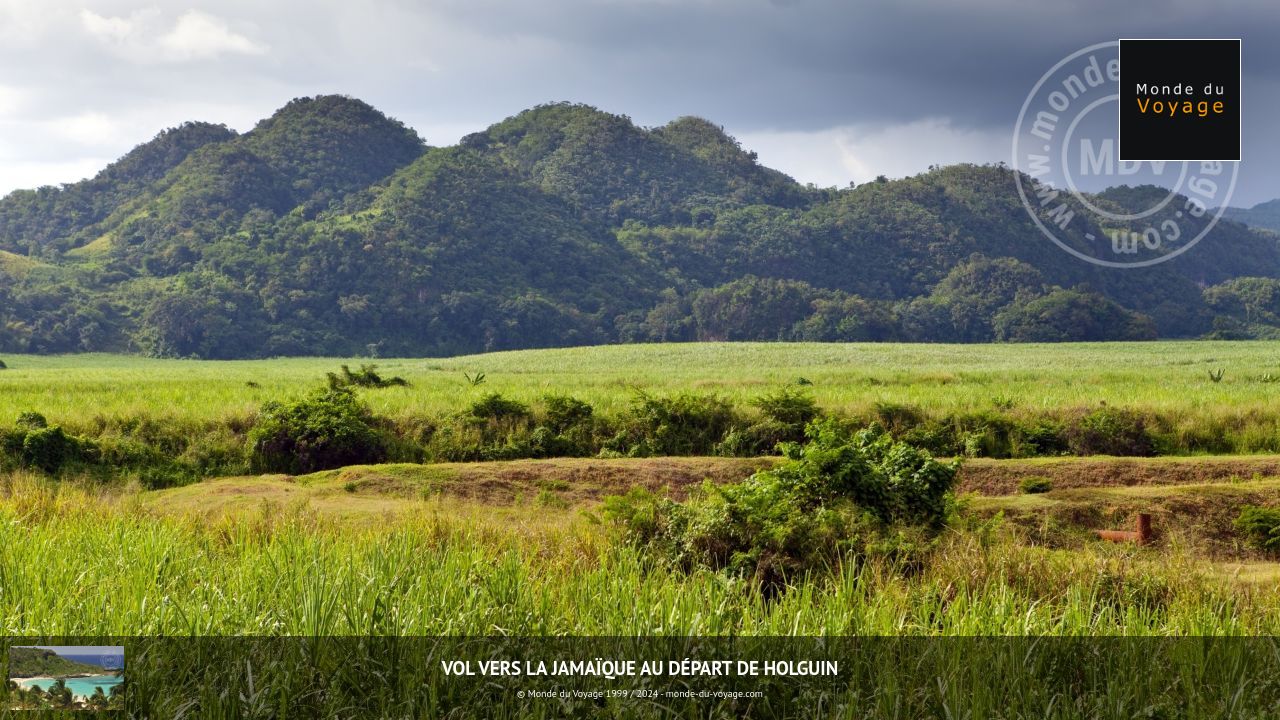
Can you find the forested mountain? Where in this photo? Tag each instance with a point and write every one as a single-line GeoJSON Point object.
{"type": "Point", "coordinates": [1263, 215]}
{"type": "Point", "coordinates": [331, 229]}
{"type": "Point", "coordinates": [28, 662]}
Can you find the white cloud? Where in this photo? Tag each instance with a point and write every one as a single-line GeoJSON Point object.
{"type": "Point", "coordinates": [90, 128]}
{"type": "Point", "coordinates": [112, 29]}
{"type": "Point", "coordinates": [142, 36]}
{"type": "Point", "coordinates": [859, 153]}
{"type": "Point", "coordinates": [14, 175]}
{"type": "Point", "coordinates": [199, 36]}
{"type": "Point", "coordinates": [25, 25]}
{"type": "Point", "coordinates": [12, 100]}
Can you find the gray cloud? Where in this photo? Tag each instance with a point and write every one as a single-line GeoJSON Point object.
{"type": "Point", "coordinates": [833, 80]}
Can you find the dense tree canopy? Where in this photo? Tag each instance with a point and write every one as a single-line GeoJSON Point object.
{"type": "Point", "coordinates": [332, 229]}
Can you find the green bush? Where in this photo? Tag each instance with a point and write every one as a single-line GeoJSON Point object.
{"type": "Point", "coordinates": [1042, 436]}
{"type": "Point", "coordinates": [11, 446]}
{"type": "Point", "coordinates": [840, 492]}
{"type": "Point", "coordinates": [1035, 484]}
{"type": "Point", "coordinates": [565, 413]}
{"type": "Point", "coordinates": [898, 417]}
{"type": "Point", "coordinates": [50, 448]}
{"type": "Point", "coordinates": [366, 377]}
{"type": "Point", "coordinates": [495, 407]}
{"type": "Point", "coordinates": [761, 438]}
{"type": "Point", "coordinates": [327, 429]}
{"type": "Point", "coordinates": [1109, 431]}
{"type": "Point", "coordinates": [789, 407]}
{"type": "Point", "coordinates": [684, 424]}
{"type": "Point", "coordinates": [32, 420]}
{"type": "Point", "coordinates": [34, 443]}
{"type": "Point", "coordinates": [785, 415]}
{"type": "Point", "coordinates": [1260, 527]}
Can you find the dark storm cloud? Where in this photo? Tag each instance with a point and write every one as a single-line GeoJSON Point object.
{"type": "Point", "coordinates": [810, 65]}
{"type": "Point", "coordinates": [83, 81]}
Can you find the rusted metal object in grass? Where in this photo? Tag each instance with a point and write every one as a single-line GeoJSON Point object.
{"type": "Point", "coordinates": [1141, 535]}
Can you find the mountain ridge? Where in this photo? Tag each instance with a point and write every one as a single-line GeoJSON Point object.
{"type": "Point", "coordinates": [330, 228]}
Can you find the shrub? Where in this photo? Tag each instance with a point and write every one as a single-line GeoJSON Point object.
{"type": "Point", "coordinates": [684, 424]}
{"type": "Point", "coordinates": [49, 448]}
{"type": "Point", "coordinates": [760, 438]}
{"type": "Point", "coordinates": [1043, 436]}
{"type": "Point", "coordinates": [984, 434]}
{"type": "Point", "coordinates": [1109, 431]}
{"type": "Point", "coordinates": [366, 376]}
{"type": "Point", "coordinates": [328, 429]}
{"type": "Point", "coordinates": [788, 406]}
{"type": "Point", "coordinates": [837, 493]}
{"type": "Point", "coordinates": [898, 417]}
{"type": "Point", "coordinates": [3, 366]}
{"type": "Point", "coordinates": [544, 442]}
{"type": "Point", "coordinates": [11, 446]}
{"type": "Point", "coordinates": [1260, 527]}
{"type": "Point", "coordinates": [32, 420]}
{"type": "Point", "coordinates": [565, 413]}
{"type": "Point", "coordinates": [495, 407]}
{"type": "Point", "coordinates": [1035, 484]}
{"type": "Point", "coordinates": [785, 415]}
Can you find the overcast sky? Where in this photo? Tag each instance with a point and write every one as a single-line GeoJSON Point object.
{"type": "Point", "coordinates": [828, 91]}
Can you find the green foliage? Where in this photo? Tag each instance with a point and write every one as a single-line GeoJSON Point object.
{"type": "Point", "coordinates": [324, 430]}
{"type": "Point", "coordinates": [26, 662]}
{"type": "Point", "coordinates": [840, 492]}
{"type": "Point", "coordinates": [549, 499]}
{"type": "Point", "coordinates": [565, 413]}
{"type": "Point", "coordinates": [1263, 215]}
{"type": "Point", "coordinates": [495, 407]}
{"type": "Point", "coordinates": [1109, 431]}
{"type": "Point", "coordinates": [329, 229]}
{"type": "Point", "coordinates": [36, 444]}
{"type": "Point", "coordinates": [168, 422]}
{"type": "Point", "coordinates": [48, 448]}
{"type": "Point", "coordinates": [683, 424]}
{"type": "Point", "coordinates": [784, 415]}
{"type": "Point", "coordinates": [1035, 484]}
{"type": "Point", "coordinates": [31, 420]}
{"type": "Point", "coordinates": [31, 220]}
{"type": "Point", "coordinates": [1261, 527]}
{"type": "Point", "coordinates": [1071, 316]}
{"type": "Point", "coordinates": [788, 406]}
{"type": "Point", "coordinates": [366, 377]}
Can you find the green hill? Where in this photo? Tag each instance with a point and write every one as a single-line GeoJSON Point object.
{"type": "Point", "coordinates": [332, 229]}
{"type": "Point", "coordinates": [32, 220]}
{"type": "Point", "coordinates": [1263, 215]}
{"type": "Point", "coordinates": [25, 662]}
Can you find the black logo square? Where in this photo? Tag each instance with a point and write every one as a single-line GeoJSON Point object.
{"type": "Point", "coordinates": [1179, 100]}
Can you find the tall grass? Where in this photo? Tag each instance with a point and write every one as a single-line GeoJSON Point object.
{"type": "Point", "coordinates": [76, 562]}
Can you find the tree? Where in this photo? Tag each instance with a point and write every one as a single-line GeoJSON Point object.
{"type": "Point", "coordinates": [1071, 315]}
{"type": "Point", "coordinates": [98, 700]}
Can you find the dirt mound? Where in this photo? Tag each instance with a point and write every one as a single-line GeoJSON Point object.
{"type": "Point", "coordinates": [1001, 477]}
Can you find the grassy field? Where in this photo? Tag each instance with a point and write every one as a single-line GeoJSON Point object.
{"type": "Point", "coordinates": [520, 548]}
{"type": "Point", "coordinates": [1171, 377]}
{"type": "Point", "coordinates": [289, 561]}
{"type": "Point", "coordinates": [313, 557]}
